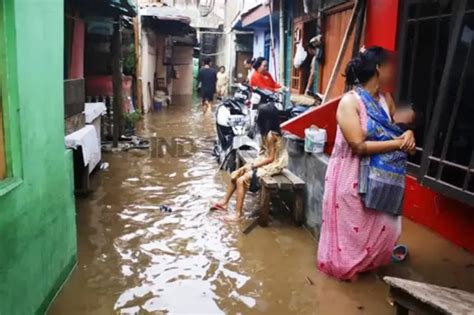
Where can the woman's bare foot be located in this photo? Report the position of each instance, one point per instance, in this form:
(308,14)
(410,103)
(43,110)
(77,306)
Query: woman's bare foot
(233,218)
(218,206)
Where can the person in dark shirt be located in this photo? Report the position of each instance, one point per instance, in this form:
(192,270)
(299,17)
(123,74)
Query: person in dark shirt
(207,78)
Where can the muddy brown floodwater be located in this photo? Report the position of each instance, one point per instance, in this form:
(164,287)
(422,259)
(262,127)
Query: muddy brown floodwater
(135,259)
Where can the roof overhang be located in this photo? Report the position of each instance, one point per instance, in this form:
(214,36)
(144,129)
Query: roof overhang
(126,7)
(166,20)
(189,15)
(164,13)
(108,8)
(258,17)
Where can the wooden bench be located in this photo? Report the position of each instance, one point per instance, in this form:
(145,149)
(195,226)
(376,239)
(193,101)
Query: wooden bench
(422,298)
(286,181)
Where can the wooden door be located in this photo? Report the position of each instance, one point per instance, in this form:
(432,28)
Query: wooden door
(240,72)
(304,31)
(296,73)
(335,28)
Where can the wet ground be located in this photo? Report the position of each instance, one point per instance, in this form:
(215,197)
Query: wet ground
(135,259)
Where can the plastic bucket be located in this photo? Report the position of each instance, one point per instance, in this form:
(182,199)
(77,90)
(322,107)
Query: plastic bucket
(157,105)
(315,139)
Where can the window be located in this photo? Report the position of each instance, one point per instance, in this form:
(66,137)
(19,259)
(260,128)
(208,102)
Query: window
(10,157)
(436,75)
(267,45)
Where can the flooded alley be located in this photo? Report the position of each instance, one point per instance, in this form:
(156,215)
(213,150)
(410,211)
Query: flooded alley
(337,156)
(135,259)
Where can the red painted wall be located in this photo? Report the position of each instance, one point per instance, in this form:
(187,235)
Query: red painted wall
(452,219)
(381,26)
(448,217)
(76,69)
(102,85)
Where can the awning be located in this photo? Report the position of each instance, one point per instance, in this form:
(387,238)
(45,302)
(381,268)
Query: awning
(165,13)
(166,20)
(110,8)
(167,27)
(258,17)
(126,7)
(189,15)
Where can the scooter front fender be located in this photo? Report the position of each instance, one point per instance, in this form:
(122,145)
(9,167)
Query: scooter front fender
(244,141)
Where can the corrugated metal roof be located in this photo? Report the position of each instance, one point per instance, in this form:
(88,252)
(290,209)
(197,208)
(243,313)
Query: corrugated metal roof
(164,13)
(127,7)
(105,7)
(189,15)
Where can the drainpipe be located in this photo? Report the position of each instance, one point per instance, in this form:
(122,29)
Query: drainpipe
(230,39)
(117,69)
(282,42)
(272,36)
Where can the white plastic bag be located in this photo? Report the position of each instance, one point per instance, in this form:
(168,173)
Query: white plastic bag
(300,56)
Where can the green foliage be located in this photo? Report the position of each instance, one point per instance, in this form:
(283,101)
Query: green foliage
(131,119)
(129,60)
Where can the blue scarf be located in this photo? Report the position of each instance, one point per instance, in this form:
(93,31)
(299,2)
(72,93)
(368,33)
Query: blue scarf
(382,176)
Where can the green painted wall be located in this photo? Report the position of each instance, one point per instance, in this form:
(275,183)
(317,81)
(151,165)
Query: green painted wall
(288,42)
(37,216)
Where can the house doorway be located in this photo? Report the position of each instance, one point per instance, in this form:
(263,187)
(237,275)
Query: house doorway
(304,31)
(241,74)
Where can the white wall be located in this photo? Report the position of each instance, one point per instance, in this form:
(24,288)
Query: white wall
(221,58)
(229,47)
(148,49)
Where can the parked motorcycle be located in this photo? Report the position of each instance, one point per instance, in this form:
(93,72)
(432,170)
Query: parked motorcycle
(233,123)
(236,119)
(261,97)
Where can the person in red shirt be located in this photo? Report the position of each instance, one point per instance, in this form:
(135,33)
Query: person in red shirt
(261,77)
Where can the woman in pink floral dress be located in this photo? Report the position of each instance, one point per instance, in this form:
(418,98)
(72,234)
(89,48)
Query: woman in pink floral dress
(354,237)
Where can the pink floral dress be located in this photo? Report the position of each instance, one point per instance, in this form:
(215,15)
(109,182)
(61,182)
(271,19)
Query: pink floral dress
(353,238)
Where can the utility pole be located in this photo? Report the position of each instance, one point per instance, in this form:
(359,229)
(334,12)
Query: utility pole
(282,42)
(138,63)
(272,36)
(116,48)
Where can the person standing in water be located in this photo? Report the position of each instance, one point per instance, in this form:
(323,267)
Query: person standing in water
(206,80)
(222,82)
(365,179)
